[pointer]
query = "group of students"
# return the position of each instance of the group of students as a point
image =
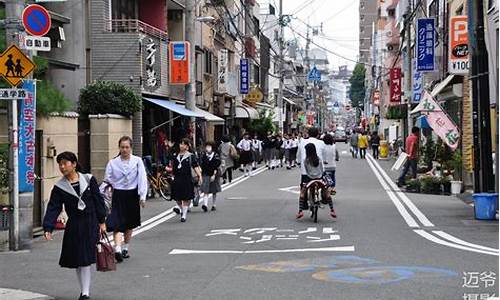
(275, 150)
(360, 141)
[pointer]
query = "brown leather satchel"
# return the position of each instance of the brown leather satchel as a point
(105, 255)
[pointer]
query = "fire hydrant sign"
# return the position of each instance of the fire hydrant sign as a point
(179, 63)
(15, 65)
(459, 46)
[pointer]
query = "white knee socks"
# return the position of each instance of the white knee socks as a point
(214, 198)
(84, 278)
(184, 211)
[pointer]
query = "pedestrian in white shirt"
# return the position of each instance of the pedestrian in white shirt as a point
(294, 146)
(245, 147)
(256, 152)
(127, 176)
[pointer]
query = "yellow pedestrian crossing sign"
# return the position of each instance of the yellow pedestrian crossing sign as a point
(15, 65)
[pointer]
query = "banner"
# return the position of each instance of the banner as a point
(222, 72)
(27, 127)
(244, 76)
(425, 45)
(395, 77)
(376, 97)
(458, 56)
(179, 61)
(439, 121)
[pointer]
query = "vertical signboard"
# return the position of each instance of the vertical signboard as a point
(179, 58)
(458, 56)
(395, 78)
(222, 72)
(418, 84)
(376, 97)
(152, 64)
(244, 76)
(425, 44)
(27, 127)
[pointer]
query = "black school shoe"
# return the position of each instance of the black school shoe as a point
(83, 297)
(205, 208)
(125, 254)
(118, 257)
(213, 208)
(177, 210)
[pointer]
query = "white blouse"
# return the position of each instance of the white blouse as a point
(128, 175)
(245, 145)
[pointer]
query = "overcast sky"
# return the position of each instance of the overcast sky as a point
(340, 20)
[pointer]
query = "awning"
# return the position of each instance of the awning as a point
(289, 101)
(170, 105)
(246, 112)
(264, 105)
(421, 122)
(210, 117)
(440, 86)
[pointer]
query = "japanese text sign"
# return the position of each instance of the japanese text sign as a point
(439, 121)
(418, 84)
(179, 57)
(9, 94)
(425, 45)
(458, 60)
(27, 127)
(395, 84)
(244, 76)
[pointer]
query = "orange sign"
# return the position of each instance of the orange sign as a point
(179, 58)
(15, 65)
(459, 46)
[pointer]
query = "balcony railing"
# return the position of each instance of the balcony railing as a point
(134, 25)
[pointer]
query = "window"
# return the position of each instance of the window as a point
(256, 74)
(460, 10)
(125, 9)
(208, 62)
(199, 66)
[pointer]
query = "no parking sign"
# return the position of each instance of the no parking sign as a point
(36, 20)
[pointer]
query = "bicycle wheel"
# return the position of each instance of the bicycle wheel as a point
(315, 213)
(164, 189)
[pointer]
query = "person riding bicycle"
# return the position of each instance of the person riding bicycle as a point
(311, 157)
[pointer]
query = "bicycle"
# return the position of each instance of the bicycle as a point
(159, 183)
(313, 190)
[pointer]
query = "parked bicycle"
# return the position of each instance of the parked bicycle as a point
(159, 180)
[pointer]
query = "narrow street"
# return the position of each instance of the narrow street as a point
(252, 247)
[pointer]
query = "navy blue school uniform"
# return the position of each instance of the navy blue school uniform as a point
(183, 185)
(86, 210)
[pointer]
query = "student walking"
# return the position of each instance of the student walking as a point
(256, 152)
(279, 151)
(245, 147)
(375, 142)
(210, 163)
(183, 183)
(127, 175)
(79, 193)
(228, 155)
(267, 149)
(331, 157)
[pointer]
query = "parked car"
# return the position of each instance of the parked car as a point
(340, 136)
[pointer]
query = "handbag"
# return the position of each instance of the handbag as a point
(194, 176)
(105, 256)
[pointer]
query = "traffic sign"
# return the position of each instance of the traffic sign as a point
(15, 65)
(255, 95)
(38, 43)
(11, 94)
(314, 74)
(36, 20)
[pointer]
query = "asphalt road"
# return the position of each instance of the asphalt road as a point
(383, 245)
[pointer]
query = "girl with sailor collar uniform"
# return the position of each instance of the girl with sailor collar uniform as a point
(79, 193)
(183, 184)
(127, 176)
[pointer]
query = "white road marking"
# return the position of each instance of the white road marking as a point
(452, 242)
(436, 240)
(456, 240)
(326, 249)
(420, 216)
(400, 207)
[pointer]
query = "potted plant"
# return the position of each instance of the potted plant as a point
(413, 186)
(456, 165)
(431, 185)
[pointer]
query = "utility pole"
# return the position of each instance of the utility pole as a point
(408, 74)
(190, 87)
(13, 14)
(483, 169)
(281, 66)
